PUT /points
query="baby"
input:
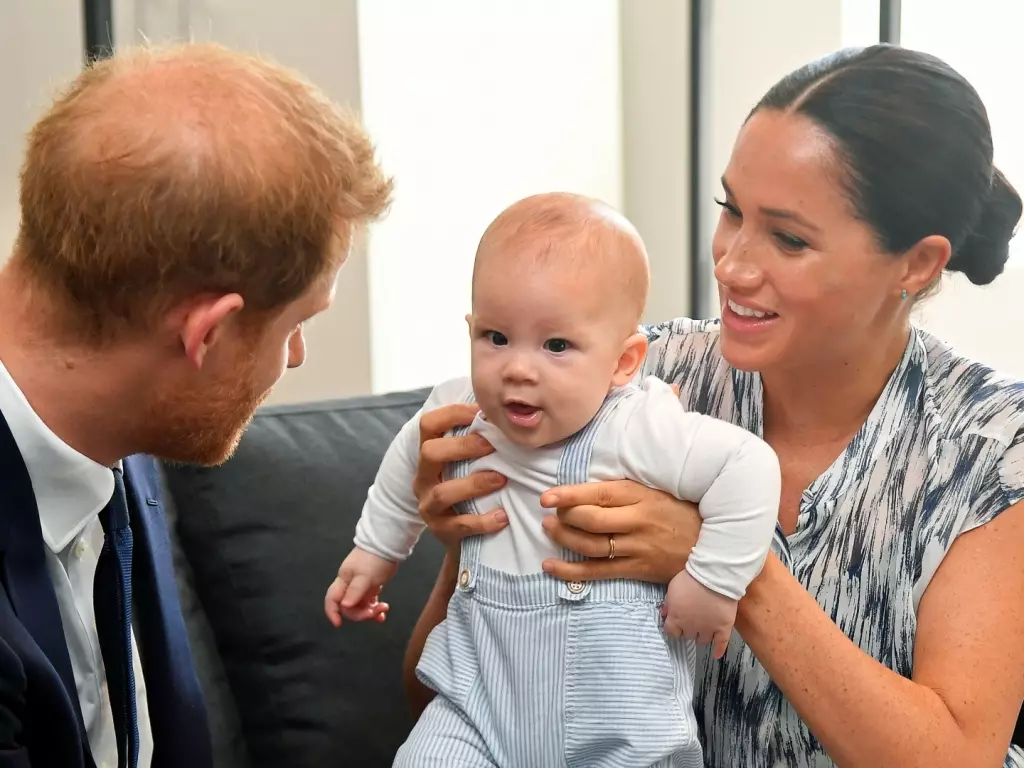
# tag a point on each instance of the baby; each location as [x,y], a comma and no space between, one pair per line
[530,670]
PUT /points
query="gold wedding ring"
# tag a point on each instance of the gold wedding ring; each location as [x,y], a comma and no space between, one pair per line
[611,547]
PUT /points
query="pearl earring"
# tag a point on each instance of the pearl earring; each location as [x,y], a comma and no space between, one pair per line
[903,295]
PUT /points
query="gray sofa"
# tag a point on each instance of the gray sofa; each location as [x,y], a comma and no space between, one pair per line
[258,540]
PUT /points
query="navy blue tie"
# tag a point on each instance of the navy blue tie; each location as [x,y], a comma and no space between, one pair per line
[112,597]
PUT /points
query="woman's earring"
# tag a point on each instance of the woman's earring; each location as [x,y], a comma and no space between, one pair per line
[903,295]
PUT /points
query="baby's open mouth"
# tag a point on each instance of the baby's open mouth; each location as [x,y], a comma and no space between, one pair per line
[522,414]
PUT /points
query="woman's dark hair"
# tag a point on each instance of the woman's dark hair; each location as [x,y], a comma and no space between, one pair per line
[914,141]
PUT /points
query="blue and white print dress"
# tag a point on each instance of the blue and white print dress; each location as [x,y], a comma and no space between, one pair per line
[941,453]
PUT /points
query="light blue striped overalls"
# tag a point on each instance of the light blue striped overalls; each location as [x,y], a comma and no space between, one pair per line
[534,672]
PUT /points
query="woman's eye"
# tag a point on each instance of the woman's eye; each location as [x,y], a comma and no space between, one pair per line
[790,242]
[729,208]
[556,346]
[497,339]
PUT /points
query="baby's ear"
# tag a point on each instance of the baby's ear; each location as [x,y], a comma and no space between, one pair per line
[633,353]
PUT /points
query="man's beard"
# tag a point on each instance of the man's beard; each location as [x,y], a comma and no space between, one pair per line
[203,427]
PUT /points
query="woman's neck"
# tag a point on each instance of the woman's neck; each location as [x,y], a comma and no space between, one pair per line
[829,399]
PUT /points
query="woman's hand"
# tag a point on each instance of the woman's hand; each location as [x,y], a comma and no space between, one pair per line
[437,496]
[653,531]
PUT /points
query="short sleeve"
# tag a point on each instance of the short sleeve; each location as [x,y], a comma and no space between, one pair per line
[1002,487]
[679,348]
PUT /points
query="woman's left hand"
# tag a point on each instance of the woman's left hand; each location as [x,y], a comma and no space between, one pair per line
[649,532]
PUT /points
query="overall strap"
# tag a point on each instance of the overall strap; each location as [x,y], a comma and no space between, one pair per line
[574,469]
[470,550]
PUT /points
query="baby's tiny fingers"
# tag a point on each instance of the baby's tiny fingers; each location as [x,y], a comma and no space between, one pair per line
[332,602]
[356,591]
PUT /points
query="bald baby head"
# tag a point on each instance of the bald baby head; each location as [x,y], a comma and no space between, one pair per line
[580,238]
[559,286]
[165,172]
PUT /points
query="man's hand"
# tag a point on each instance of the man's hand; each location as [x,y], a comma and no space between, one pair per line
[354,593]
[694,611]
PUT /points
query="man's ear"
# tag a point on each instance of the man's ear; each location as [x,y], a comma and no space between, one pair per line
[203,322]
[633,353]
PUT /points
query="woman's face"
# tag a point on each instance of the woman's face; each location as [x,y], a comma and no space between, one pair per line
[801,280]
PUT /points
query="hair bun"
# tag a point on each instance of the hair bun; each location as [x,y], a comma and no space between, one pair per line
[982,256]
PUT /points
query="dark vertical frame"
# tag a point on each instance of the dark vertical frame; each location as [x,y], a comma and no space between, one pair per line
[701,300]
[889,21]
[98,20]
[700,279]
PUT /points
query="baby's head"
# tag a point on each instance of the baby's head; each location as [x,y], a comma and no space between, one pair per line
[559,286]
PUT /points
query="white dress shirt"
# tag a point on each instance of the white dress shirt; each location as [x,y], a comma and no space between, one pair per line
[647,436]
[71,490]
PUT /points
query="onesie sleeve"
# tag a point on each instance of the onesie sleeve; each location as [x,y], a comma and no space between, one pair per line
[390,523]
[732,475]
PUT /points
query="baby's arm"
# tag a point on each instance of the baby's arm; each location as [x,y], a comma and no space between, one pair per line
[389,525]
[734,476]
[354,593]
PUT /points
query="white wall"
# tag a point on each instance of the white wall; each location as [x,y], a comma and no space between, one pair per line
[41,44]
[474,105]
[655,54]
[984,46]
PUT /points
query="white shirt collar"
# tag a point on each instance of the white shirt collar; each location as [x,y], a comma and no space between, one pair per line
[70,488]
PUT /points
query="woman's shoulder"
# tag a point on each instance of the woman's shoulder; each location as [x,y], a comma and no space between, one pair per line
[971,398]
[681,347]
[683,327]
[977,414]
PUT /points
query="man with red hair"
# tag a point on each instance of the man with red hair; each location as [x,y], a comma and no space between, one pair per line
[183,212]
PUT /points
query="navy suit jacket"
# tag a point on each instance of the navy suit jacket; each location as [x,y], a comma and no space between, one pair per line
[40,717]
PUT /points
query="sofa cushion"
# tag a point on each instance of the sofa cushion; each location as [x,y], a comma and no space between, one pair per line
[264,535]
[227,738]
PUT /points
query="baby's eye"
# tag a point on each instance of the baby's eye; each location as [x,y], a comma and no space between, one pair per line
[497,339]
[557,346]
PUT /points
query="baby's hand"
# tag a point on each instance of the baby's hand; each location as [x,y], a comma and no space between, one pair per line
[692,610]
[355,591]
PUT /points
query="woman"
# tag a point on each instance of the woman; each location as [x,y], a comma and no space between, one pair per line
[886,628]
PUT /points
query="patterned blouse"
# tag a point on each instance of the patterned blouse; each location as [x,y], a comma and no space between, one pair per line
[941,453]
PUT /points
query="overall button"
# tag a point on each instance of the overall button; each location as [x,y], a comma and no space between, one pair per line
[464,578]
[576,586]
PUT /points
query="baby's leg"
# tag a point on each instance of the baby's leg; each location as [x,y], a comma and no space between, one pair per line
[629,690]
[443,736]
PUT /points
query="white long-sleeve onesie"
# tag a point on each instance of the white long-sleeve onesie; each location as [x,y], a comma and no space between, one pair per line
[648,437]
